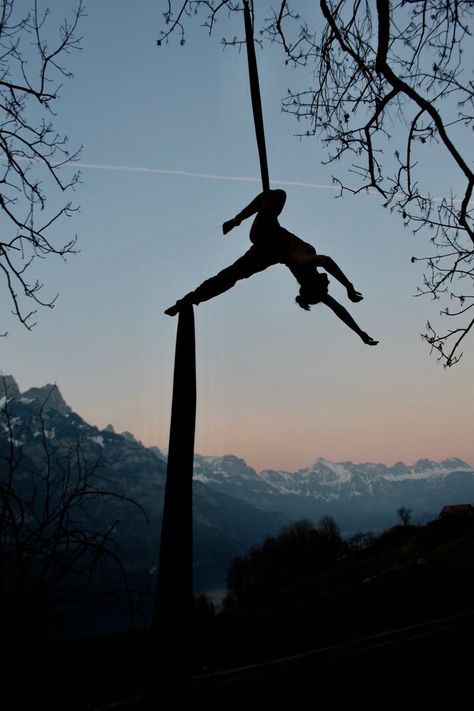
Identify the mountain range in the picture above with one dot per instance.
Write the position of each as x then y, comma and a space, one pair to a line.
234, 506
358, 496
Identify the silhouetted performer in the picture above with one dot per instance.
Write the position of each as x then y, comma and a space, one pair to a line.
273, 244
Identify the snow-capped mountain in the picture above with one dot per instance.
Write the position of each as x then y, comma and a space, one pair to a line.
358, 496
234, 506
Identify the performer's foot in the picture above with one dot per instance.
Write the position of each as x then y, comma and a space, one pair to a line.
229, 225
179, 305
368, 340
354, 295
173, 310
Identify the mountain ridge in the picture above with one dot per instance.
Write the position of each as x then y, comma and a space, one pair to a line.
50, 396
358, 495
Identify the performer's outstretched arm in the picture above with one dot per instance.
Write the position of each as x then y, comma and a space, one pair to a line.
345, 316
329, 265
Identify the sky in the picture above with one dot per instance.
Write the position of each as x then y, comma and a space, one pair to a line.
169, 154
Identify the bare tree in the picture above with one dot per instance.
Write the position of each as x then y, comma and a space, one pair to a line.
55, 548
361, 540
328, 528
405, 515
32, 152
393, 84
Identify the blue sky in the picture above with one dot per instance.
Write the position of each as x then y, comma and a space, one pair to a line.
277, 386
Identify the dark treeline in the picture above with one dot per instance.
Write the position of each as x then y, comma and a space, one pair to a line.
296, 552
307, 587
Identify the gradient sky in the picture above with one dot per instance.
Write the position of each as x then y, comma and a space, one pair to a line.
277, 386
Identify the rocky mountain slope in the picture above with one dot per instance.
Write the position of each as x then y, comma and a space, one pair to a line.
234, 506
42, 438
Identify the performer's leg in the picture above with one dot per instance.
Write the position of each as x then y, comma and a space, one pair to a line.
345, 316
265, 225
267, 206
250, 263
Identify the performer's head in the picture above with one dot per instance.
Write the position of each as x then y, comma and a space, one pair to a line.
312, 291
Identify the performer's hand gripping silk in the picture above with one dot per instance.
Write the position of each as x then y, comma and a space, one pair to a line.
273, 244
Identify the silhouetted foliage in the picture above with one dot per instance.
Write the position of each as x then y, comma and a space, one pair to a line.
203, 606
360, 540
405, 515
33, 153
408, 604
299, 550
393, 81
394, 536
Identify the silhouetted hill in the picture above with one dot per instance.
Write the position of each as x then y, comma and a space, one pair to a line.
409, 575
389, 626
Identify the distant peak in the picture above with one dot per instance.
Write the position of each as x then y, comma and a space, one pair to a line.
48, 396
424, 464
8, 386
130, 437
455, 463
158, 453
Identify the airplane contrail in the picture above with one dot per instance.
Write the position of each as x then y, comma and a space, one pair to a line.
214, 176
190, 174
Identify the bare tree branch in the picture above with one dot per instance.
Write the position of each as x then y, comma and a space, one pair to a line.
32, 153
